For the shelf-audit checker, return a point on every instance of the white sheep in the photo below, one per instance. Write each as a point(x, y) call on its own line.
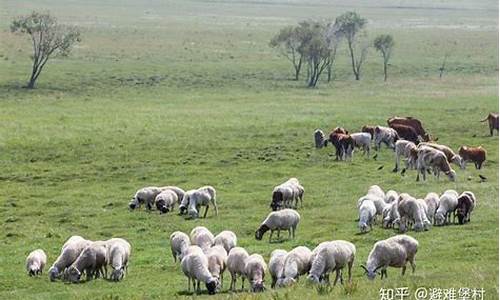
point(319, 138)
point(276, 264)
point(367, 212)
point(35, 262)
point(447, 204)
point(227, 239)
point(144, 196)
point(432, 200)
point(286, 193)
point(165, 201)
point(286, 219)
point(391, 215)
point(391, 196)
point(255, 270)
point(297, 263)
point(217, 261)
point(119, 251)
point(424, 212)
point(193, 199)
point(93, 260)
point(379, 202)
point(407, 150)
point(395, 252)
point(411, 211)
point(69, 253)
point(179, 242)
point(236, 266)
point(202, 237)
point(362, 140)
point(195, 267)
point(376, 191)
point(177, 190)
point(329, 257)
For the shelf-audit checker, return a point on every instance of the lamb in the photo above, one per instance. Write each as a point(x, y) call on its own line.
point(474, 154)
point(430, 158)
point(119, 251)
point(236, 266)
point(395, 252)
point(412, 211)
point(432, 201)
point(465, 205)
point(391, 196)
point(202, 237)
point(217, 260)
point(447, 204)
point(69, 253)
point(35, 262)
point(276, 264)
point(255, 270)
point(385, 135)
point(193, 199)
point(391, 215)
point(362, 140)
point(177, 190)
point(367, 213)
point(226, 239)
point(450, 155)
point(93, 260)
point(179, 242)
point(286, 219)
point(297, 262)
point(145, 196)
point(407, 150)
point(165, 201)
point(329, 257)
point(195, 267)
point(319, 138)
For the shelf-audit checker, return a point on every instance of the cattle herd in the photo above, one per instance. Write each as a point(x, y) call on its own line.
point(204, 257)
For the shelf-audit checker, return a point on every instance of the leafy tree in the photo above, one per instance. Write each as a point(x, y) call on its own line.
point(384, 43)
point(288, 42)
point(350, 25)
point(49, 39)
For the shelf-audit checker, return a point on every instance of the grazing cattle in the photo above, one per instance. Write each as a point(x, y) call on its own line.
point(362, 140)
point(474, 154)
point(385, 135)
point(492, 119)
point(343, 143)
point(340, 130)
point(407, 133)
point(430, 158)
point(369, 129)
point(412, 122)
point(450, 155)
point(408, 151)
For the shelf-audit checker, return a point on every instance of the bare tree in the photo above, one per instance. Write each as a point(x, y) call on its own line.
point(48, 37)
point(384, 43)
point(288, 42)
point(350, 24)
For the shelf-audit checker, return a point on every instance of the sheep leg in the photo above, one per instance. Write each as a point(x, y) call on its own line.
point(273, 282)
point(194, 285)
point(384, 272)
point(279, 234)
point(197, 286)
point(403, 270)
point(242, 283)
point(206, 211)
point(271, 235)
point(233, 281)
point(175, 256)
point(214, 202)
point(337, 276)
point(413, 265)
point(189, 284)
point(349, 269)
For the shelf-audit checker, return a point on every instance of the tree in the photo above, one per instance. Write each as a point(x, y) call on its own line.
point(384, 43)
point(48, 37)
point(350, 24)
point(289, 42)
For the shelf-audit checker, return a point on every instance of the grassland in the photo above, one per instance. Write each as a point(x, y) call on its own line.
point(188, 93)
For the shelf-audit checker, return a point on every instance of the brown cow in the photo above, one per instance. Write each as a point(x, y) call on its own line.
point(343, 144)
point(407, 133)
point(340, 130)
point(474, 154)
point(412, 122)
point(492, 119)
point(369, 129)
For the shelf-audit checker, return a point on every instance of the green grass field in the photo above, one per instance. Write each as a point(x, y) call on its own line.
point(188, 93)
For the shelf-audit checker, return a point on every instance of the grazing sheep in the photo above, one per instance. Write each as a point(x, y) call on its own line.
point(362, 140)
point(450, 155)
point(424, 212)
point(395, 252)
point(35, 262)
point(202, 237)
point(319, 138)
point(165, 201)
point(195, 267)
point(236, 266)
point(447, 204)
point(226, 239)
point(217, 260)
point(282, 195)
point(179, 242)
point(465, 205)
point(376, 191)
point(475, 154)
point(432, 201)
point(177, 190)
point(255, 270)
point(412, 211)
point(276, 264)
point(385, 135)
point(145, 196)
point(391, 215)
point(407, 150)
point(492, 119)
point(297, 262)
point(286, 219)
point(367, 213)
point(119, 251)
point(193, 199)
point(391, 196)
point(69, 253)
point(329, 257)
point(430, 158)
point(93, 260)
